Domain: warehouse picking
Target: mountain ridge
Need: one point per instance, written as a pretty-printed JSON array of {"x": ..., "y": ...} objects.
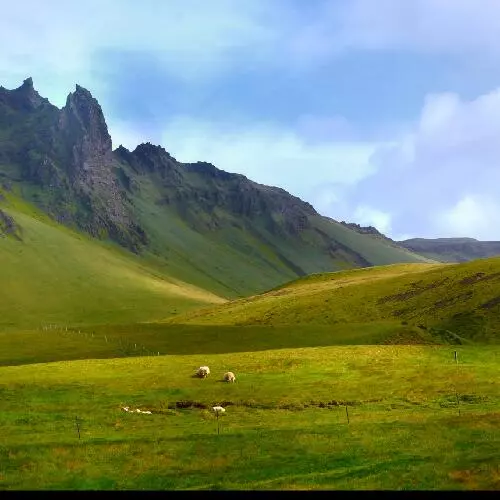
[
  {"x": 453, "y": 249},
  {"x": 219, "y": 229}
]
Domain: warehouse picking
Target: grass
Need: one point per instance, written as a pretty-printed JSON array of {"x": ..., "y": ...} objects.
[
  {"x": 57, "y": 275},
  {"x": 284, "y": 428},
  {"x": 461, "y": 298},
  {"x": 60, "y": 342}
]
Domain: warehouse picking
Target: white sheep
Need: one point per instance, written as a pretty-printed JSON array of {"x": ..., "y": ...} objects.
[
  {"x": 127, "y": 408},
  {"x": 229, "y": 377},
  {"x": 218, "y": 409},
  {"x": 203, "y": 371}
]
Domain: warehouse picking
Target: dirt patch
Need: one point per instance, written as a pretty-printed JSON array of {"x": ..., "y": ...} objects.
[
  {"x": 475, "y": 278},
  {"x": 491, "y": 303},
  {"x": 478, "y": 478},
  {"x": 400, "y": 312},
  {"x": 411, "y": 293},
  {"x": 8, "y": 226},
  {"x": 453, "y": 300},
  {"x": 285, "y": 405},
  {"x": 187, "y": 404}
]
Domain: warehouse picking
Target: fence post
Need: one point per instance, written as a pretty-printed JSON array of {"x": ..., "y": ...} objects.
[{"x": 77, "y": 427}]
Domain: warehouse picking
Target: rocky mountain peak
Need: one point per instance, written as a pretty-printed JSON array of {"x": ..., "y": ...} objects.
[
  {"x": 83, "y": 121},
  {"x": 82, "y": 91},
  {"x": 25, "y": 97},
  {"x": 153, "y": 158},
  {"x": 149, "y": 149},
  {"x": 27, "y": 84},
  {"x": 364, "y": 229}
]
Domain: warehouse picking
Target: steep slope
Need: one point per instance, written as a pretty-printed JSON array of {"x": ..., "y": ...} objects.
[
  {"x": 51, "y": 274},
  {"x": 217, "y": 230},
  {"x": 248, "y": 235},
  {"x": 452, "y": 249},
  {"x": 460, "y": 298}
]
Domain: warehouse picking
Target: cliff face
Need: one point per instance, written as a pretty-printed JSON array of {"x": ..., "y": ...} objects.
[
  {"x": 67, "y": 153},
  {"x": 192, "y": 187},
  {"x": 85, "y": 135}
]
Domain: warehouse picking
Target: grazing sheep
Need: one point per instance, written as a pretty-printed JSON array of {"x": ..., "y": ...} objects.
[
  {"x": 203, "y": 371},
  {"x": 229, "y": 377},
  {"x": 217, "y": 409},
  {"x": 127, "y": 408}
]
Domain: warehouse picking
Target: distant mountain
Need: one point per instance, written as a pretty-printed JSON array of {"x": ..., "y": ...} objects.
[
  {"x": 439, "y": 249},
  {"x": 217, "y": 230},
  {"x": 452, "y": 249}
]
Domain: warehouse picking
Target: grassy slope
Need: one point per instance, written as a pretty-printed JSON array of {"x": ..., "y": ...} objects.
[
  {"x": 283, "y": 427},
  {"x": 212, "y": 263},
  {"x": 234, "y": 261},
  {"x": 57, "y": 275},
  {"x": 132, "y": 340},
  {"x": 377, "y": 251},
  {"x": 463, "y": 298}
]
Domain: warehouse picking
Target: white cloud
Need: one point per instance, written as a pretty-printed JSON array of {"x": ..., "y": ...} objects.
[
  {"x": 432, "y": 26},
  {"x": 190, "y": 38},
  {"x": 472, "y": 215},
  {"x": 367, "y": 216},
  {"x": 425, "y": 180},
  {"x": 269, "y": 154},
  {"x": 127, "y": 134}
]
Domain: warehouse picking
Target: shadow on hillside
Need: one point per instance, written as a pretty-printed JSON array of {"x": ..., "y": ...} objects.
[{"x": 114, "y": 341}]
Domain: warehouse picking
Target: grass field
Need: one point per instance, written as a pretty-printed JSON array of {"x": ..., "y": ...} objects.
[{"x": 285, "y": 424}]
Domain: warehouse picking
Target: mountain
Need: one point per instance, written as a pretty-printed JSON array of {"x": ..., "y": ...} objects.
[
  {"x": 191, "y": 221},
  {"x": 438, "y": 249},
  {"x": 452, "y": 249}
]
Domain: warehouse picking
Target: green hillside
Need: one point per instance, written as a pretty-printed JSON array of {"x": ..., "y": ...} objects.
[
  {"x": 53, "y": 274},
  {"x": 460, "y": 298},
  {"x": 241, "y": 255}
]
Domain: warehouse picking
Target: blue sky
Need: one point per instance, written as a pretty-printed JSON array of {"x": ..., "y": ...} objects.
[{"x": 381, "y": 112}]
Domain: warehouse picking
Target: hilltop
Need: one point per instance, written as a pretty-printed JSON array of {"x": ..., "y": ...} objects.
[{"x": 454, "y": 300}]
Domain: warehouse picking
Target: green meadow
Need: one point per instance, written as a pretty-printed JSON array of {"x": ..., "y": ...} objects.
[
  {"x": 379, "y": 378},
  {"x": 417, "y": 420}
]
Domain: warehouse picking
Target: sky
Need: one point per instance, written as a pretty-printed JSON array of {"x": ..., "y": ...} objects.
[{"x": 379, "y": 112}]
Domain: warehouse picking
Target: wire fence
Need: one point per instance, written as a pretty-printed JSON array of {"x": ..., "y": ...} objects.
[{"x": 124, "y": 345}]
